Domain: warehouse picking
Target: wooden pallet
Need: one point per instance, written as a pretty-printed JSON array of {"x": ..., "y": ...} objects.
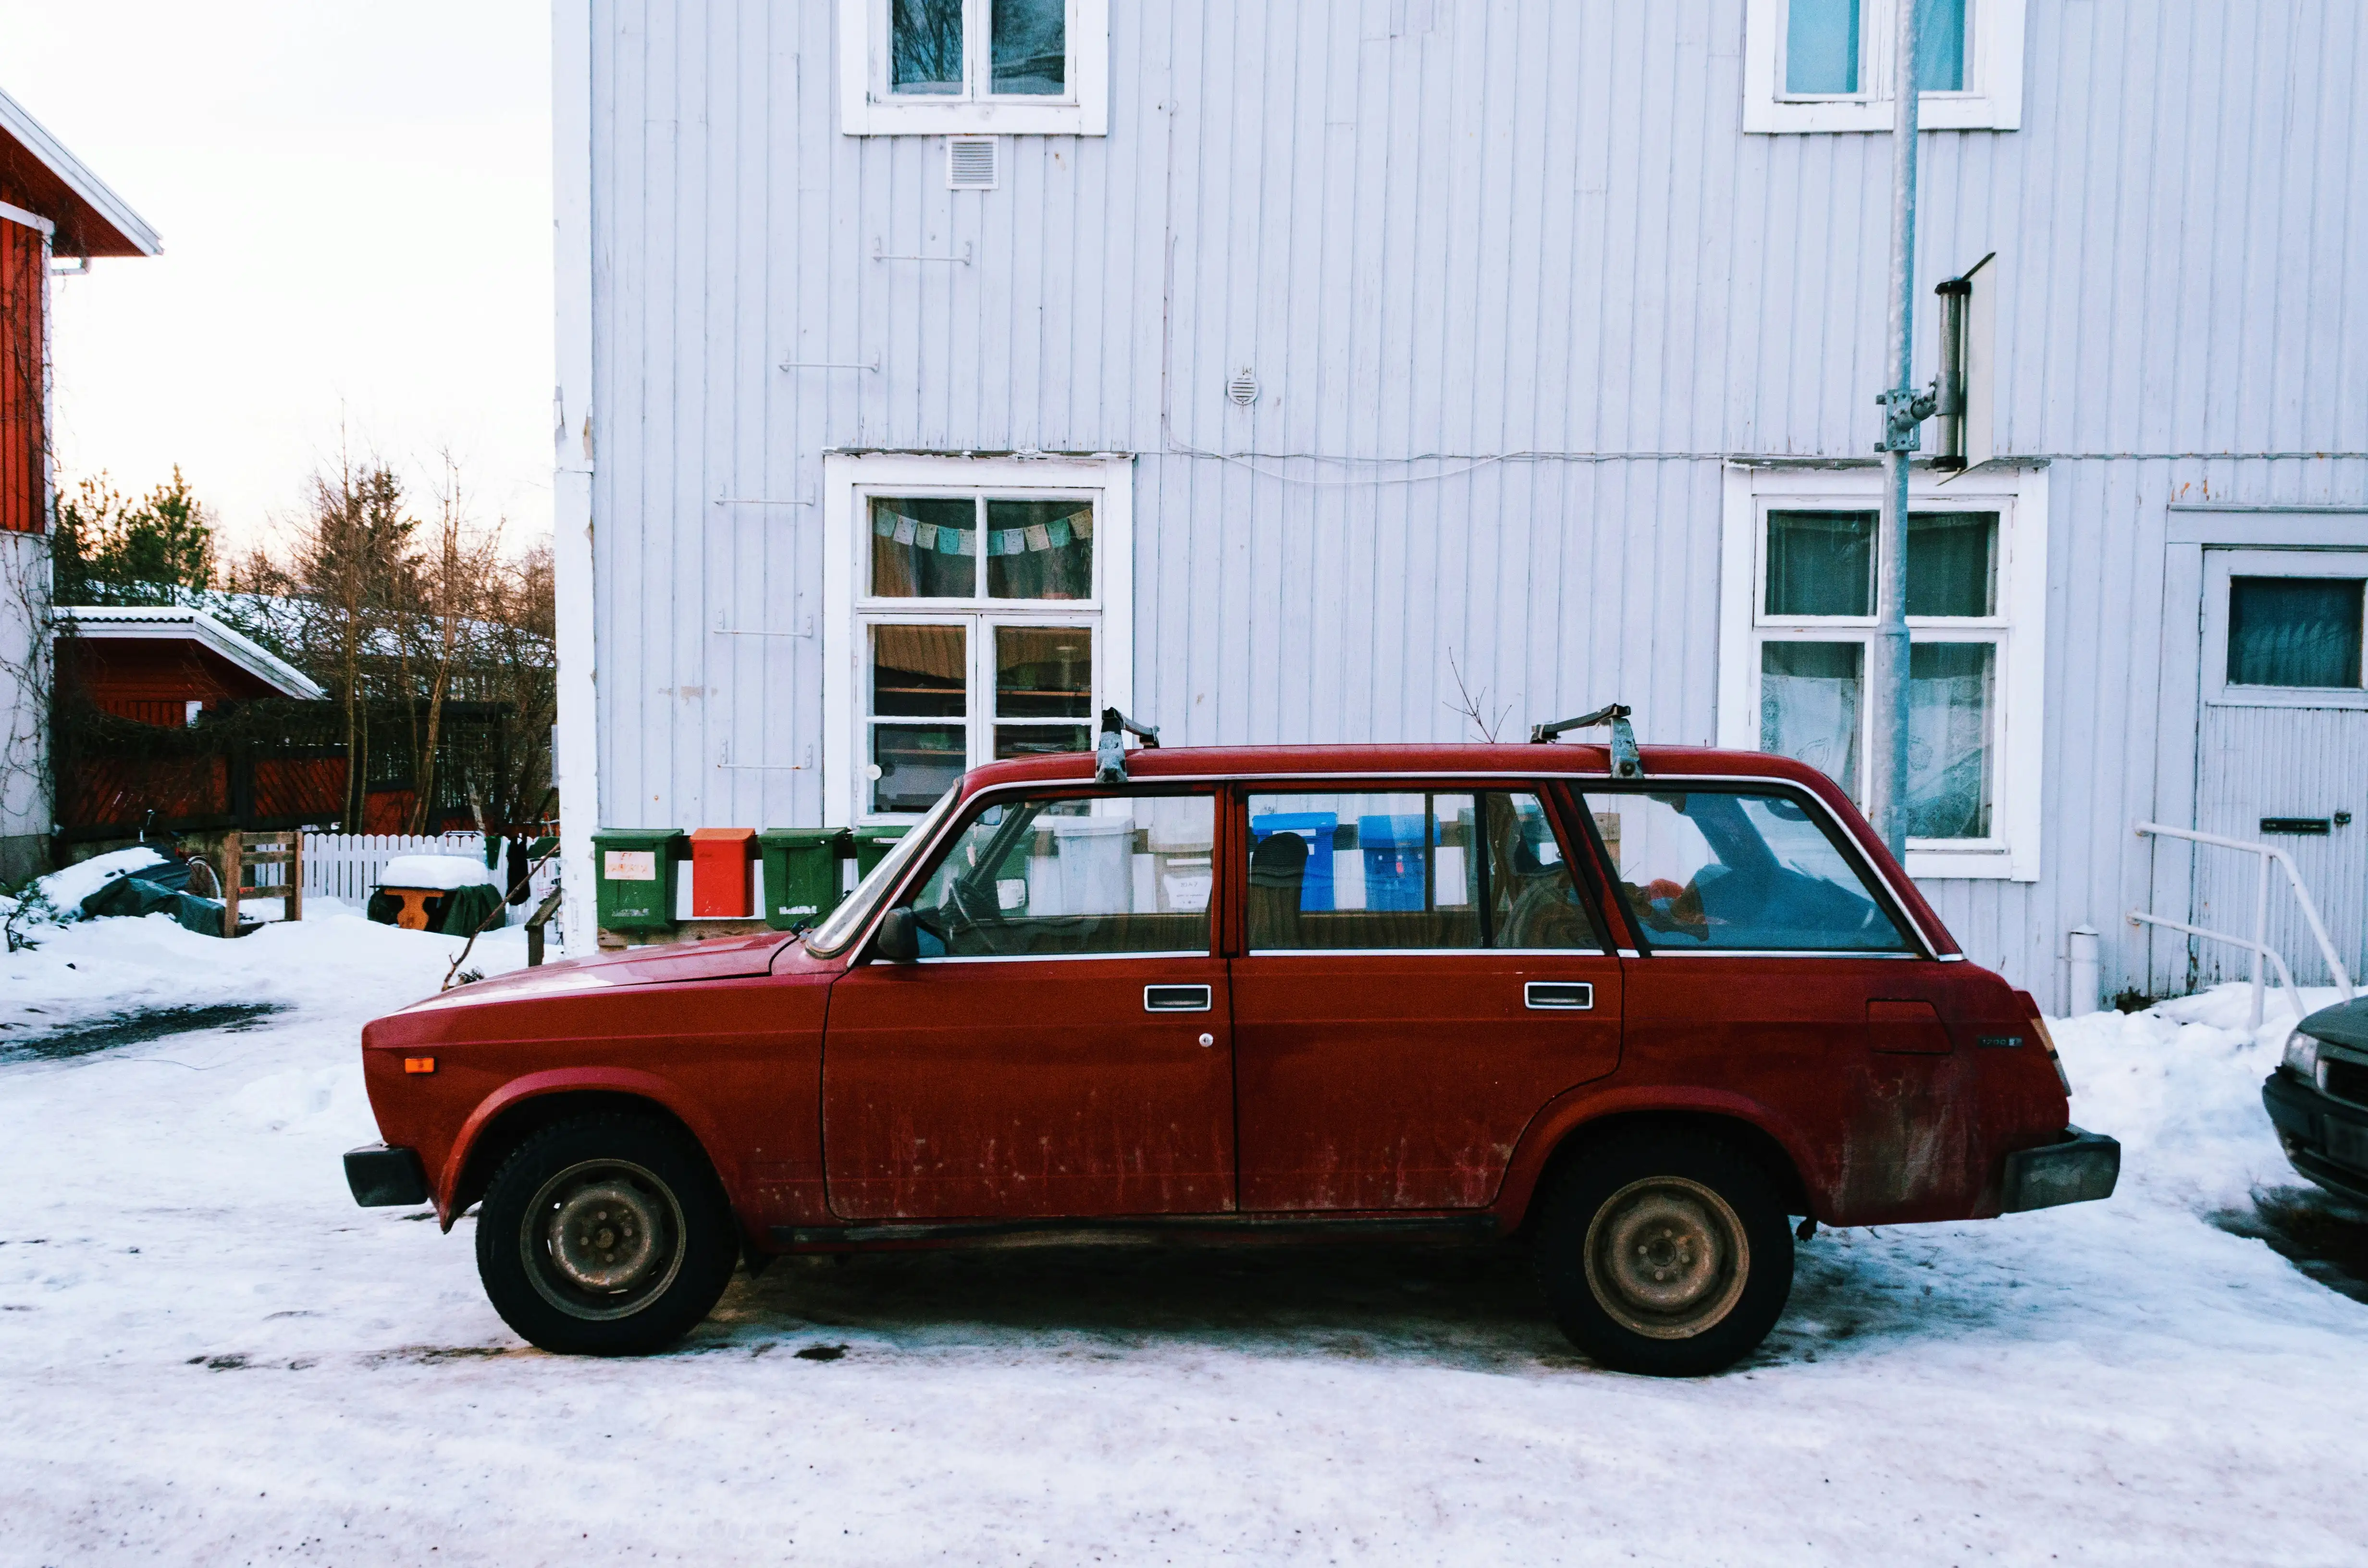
[{"x": 241, "y": 850}]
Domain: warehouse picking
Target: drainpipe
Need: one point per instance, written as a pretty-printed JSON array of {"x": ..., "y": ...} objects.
[
  {"x": 2080, "y": 960},
  {"x": 1904, "y": 409}
]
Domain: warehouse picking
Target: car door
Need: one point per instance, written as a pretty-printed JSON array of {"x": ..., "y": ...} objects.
[
  {"x": 1417, "y": 977},
  {"x": 1770, "y": 967},
  {"x": 1063, "y": 1048}
]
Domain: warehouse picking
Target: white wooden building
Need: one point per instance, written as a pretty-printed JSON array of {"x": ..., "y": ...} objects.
[{"x": 933, "y": 372}]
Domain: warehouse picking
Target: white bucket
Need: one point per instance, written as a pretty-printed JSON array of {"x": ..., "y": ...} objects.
[{"x": 1096, "y": 855}]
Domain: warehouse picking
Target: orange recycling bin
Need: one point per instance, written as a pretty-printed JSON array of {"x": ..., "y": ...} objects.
[{"x": 719, "y": 872}]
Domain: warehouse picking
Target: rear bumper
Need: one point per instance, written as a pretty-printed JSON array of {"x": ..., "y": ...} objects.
[
  {"x": 2080, "y": 1167},
  {"x": 385, "y": 1178},
  {"x": 2323, "y": 1137}
]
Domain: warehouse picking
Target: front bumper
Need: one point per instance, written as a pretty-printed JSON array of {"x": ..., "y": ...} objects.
[
  {"x": 385, "y": 1178},
  {"x": 2325, "y": 1139},
  {"x": 2079, "y": 1167}
]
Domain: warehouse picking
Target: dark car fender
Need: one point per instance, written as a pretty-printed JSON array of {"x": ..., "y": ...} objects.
[
  {"x": 661, "y": 1092},
  {"x": 1572, "y": 1112}
]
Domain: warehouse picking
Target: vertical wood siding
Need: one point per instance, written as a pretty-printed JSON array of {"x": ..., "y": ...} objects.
[
  {"x": 1515, "y": 286},
  {"x": 24, "y": 477}
]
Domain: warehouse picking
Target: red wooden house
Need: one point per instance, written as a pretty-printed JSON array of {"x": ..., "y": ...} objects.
[{"x": 50, "y": 208}]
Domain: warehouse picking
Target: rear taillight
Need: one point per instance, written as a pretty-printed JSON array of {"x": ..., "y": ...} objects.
[{"x": 2047, "y": 1040}]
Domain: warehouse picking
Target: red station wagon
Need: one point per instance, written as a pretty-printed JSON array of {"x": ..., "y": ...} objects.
[{"x": 1637, "y": 1011}]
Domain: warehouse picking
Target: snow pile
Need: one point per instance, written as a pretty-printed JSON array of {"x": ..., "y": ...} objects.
[
  {"x": 67, "y": 889},
  {"x": 208, "y": 1354},
  {"x": 445, "y": 871}
]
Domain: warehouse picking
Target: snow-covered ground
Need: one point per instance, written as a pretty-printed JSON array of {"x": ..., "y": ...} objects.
[{"x": 208, "y": 1355}]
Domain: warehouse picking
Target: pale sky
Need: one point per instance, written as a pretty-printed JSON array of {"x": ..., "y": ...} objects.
[{"x": 354, "y": 201}]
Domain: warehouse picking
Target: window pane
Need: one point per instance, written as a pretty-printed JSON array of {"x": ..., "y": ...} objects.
[
  {"x": 1809, "y": 696},
  {"x": 1952, "y": 562},
  {"x": 915, "y": 764},
  {"x": 2294, "y": 631},
  {"x": 1410, "y": 871},
  {"x": 1738, "y": 871},
  {"x": 1044, "y": 671},
  {"x": 1112, "y": 874},
  {"x": 1032, "y": 47},
  {"x": 924, "y": 549},
  {"x": 1040, "y": 549},
  {"x": 1821, "y": 563},
  {"x": 1951, "y": 715},
  {"x": 1940, "y": 48},
  {"x": 1821, "y": 47},
  {"x": 920, "y": 671},
  {"x": 924, "y": 48}
]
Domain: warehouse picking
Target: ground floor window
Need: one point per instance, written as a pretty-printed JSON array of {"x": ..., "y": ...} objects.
[
  {"x": 1799, "y": 590},
  {"x": 979, "y": 610}
]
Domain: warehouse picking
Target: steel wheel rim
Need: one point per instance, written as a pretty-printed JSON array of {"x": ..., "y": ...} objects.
[
  {"x": 602, "y": 1239},
  {"x": 1666, "y": 1257}
]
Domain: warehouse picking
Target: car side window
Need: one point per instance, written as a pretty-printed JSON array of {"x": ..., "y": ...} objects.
[
  {"x": 1066, "y": 875},
  {"x": 1740, "y": 870},
  {"x": 1412, "y": 870}
]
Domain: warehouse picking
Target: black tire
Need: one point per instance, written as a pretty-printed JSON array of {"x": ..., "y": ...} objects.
[
  {"x": 1665, "y": 1252},
  {"x": 605, "y": 1235}
]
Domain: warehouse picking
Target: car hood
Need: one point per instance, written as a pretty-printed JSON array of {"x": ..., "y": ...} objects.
[
  {"x": 2346, "y": 1023},
  {"x": 726, "y": 958}
]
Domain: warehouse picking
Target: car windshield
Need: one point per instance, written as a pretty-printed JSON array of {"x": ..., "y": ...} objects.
[
  {"x": 856, "y": 909},
  {"x": 1740, "y": 870}
]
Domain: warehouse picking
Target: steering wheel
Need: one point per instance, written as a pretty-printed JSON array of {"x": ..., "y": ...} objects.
[{"x": 972, "y": 907}]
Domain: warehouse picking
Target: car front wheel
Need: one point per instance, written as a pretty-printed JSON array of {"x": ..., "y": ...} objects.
[
  {"x": 604, "y": 1235},
  {"x": 1667, "y": 1253}
]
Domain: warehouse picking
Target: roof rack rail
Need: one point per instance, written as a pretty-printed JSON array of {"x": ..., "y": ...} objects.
[{"x": 1626, "y": 761}]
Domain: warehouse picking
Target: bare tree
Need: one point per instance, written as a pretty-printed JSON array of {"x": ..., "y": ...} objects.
[
  {"x": 458, "y": 582},
  {"x": 1474, "y": 708}
]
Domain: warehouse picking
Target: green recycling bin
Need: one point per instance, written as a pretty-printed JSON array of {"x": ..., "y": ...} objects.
[
  {"x": 800, "y": 873},
  {"x": 872, "y": 845},
  {"x": 635, "y": 871}
]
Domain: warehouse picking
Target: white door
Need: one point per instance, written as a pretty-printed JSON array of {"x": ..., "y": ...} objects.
[{"x": 2282, "y": 751}]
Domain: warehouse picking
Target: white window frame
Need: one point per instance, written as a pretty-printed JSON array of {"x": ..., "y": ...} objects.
[
  {"x": 2019, "y": 495},
  {"x": 849, "y": 483},
  {"x": 2219, "y": 566},
  {"x": 1992, "y": 99},
  {"x": 868, "y": 108}
]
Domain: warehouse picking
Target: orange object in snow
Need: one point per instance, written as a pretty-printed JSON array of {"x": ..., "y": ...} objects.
[{"x": 719, "y": 872}]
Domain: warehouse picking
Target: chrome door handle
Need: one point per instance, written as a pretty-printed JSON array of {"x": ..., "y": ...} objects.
[
  {"x": 1559, "y": 995},
  {"x": 1176, "y": 999}
]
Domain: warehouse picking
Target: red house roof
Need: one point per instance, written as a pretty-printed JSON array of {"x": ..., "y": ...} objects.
[{"x": 38, "y": 176}]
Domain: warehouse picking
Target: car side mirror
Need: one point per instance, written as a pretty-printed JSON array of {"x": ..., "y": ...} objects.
[{"x": 898, "y": 940}]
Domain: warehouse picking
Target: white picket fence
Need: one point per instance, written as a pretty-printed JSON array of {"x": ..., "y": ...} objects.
[{"x": 346, "y": 865}]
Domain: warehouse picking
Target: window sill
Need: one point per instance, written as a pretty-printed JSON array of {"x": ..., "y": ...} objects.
[
  {"x": 1783, "y": 116},
  {"x": 972, "y": 116},
  {"x": 2287, "y": 697},
  {"x": 2000, "y": 864}
]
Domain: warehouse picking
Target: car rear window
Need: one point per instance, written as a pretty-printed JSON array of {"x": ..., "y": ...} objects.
[
  {"x": 1740, "y": 870},
  {"x": 1422, "y": 870}
]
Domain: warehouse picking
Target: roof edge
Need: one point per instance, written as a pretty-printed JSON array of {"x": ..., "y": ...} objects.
[
  {"x": 95, "y": 192},
  {"x": 160, "y": 620}
]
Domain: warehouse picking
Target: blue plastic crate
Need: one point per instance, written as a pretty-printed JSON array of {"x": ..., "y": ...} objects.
[
  {"x": 1317, "y": 828},
  {"x": 1393, "y": 848}
]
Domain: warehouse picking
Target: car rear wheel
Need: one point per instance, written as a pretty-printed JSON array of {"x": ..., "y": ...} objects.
[
  {"x": 605, "y": 1235},
  {"x": 1666, "y": 1253}
]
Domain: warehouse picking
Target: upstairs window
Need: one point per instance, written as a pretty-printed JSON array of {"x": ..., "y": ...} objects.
[
  {"x": 947, "y": 67},
  {"x": 1823, "y": 65}
]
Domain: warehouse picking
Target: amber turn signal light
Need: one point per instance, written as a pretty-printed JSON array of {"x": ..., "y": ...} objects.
[{"x": 419, "y": 1064}]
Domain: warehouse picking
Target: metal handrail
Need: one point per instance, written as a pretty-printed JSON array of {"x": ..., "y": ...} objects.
[{"x": 2259, "y": 947}]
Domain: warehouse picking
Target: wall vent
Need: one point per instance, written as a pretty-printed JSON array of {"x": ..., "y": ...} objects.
[
  {"x": 1244, "y": 387},
  {"x": 971, "y": 163}
]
